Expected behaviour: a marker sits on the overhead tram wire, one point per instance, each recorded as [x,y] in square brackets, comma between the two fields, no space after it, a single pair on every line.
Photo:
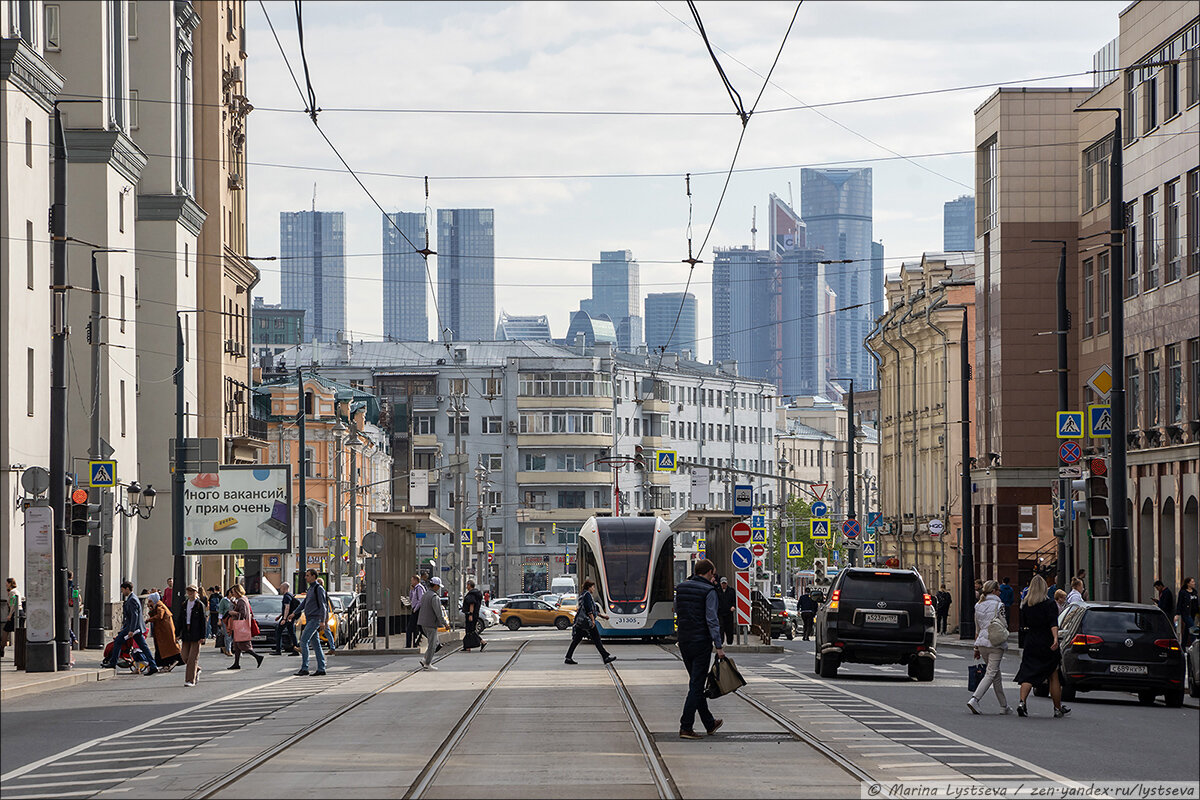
[745,116]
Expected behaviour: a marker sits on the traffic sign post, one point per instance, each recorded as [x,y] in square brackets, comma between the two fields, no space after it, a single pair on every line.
[819,529]
[742,558]
[936,527]
[851,529]
[758,549]
[1069,452]
[868,549]
[743,500]
[758,535]
[875,519]
[818,508]
[465,536]
[1099,421]
[1068,424]
[1101,381]
[740,533]
[666,460]
[795,549]
[741,584]
[102,474]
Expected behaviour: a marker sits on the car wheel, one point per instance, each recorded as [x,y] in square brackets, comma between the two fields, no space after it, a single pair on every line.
[829,667]
[1174,698]
[817,663]
[513,623]
[1146,698]
[479,626]
[790,632]
[562,623]
[924,670]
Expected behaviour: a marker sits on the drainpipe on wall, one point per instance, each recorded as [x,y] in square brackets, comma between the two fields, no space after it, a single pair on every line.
[916,448]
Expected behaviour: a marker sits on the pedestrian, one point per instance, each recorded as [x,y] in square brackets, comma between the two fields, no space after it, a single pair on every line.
[166,650]
[430,617]
[1187,607]
[987,609]
[412,633]
[727,606]
[698,633]
[585,624]
[242,625]
[1165,600]
[192,632]
[1082,576]
[132,628]
[11,606]
[284,623]
[327,629]
[168,594]
[472,600]
[315,607]
[1060,599]
[216,630]
[944,601]
[808,607]
[223,607]
[1040,657]
[1076,594]
[1006,593]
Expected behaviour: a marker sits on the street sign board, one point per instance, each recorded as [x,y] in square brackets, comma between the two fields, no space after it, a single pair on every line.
[1072,471]
[698,486]
[758,549]
[936,527]
[39,574]
[740,533]
[1069,452]
[758,521]
[818,508]
[743,499]
[372,543]
[1101,381]
[700,545]
[869,535]
[795,549]
[1068,424]
[758,534]
[238,509]
[665,460]
[102,474]
[742,558]
[851,528]
[868,549]
[491,547]
[465,536]
[875,519]
[741,584]
[1100,421]
[418,488]
[818,490]
[819,528]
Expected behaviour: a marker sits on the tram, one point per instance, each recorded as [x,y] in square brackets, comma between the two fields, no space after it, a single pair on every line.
[632,560]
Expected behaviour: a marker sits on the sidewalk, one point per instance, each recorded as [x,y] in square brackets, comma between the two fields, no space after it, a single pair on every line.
[14,683]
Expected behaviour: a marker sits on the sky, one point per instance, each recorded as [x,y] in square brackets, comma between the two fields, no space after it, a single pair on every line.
[566,186]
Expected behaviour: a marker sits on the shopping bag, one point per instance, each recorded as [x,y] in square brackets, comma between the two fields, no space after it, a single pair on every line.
[241,630]
[975,674]
[723,678]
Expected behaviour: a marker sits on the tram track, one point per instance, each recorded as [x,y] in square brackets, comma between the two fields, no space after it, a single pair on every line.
[663,782]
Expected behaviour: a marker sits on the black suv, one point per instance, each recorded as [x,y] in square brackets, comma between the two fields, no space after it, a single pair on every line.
[784,617]
[1123,647]
[876,616]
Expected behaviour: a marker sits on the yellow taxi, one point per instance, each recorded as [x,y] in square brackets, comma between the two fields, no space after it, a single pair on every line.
[569,602]
[535,612]
[334,623]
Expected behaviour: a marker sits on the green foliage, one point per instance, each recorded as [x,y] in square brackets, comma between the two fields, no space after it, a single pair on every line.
[800,531]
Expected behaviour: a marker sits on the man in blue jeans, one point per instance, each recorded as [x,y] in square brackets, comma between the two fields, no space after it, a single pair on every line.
[314,608]
[132,628]
[699,632]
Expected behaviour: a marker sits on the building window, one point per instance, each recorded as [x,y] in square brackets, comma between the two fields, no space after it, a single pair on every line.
[29,143]
[1171,81]
[1131,249]
[1130,115]
[116,65]
[1133,392]
[1171,231]
[1104,285]
[535,536]
[1149,104]
[30,382]
[493,387]
[1193,68]
[534,463]
[1193,232]
[53,28]
[567,535]
[1150,237]
[572,499]
[493,462]
[309,462]
[1089,299]
[989,195]
[29,268]
[1096,161]
[1153,389]
[1194,385]
[122,398]
[462,420]
[493,424]
[423,425]
[122,300]
[1174,384]
[459,386]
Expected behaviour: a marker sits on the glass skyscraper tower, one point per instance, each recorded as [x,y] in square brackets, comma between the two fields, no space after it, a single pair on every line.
[312,252]
[466,274]
[404,280]
[617,294]
[662,308]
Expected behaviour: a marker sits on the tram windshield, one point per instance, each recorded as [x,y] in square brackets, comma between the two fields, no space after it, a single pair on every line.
[626,546]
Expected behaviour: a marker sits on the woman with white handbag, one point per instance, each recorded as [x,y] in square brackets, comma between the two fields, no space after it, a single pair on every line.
[990,645]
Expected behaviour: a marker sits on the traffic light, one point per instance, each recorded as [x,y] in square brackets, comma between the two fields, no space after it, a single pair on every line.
[85,515]
[820,572]
[1097,506]
[639,458]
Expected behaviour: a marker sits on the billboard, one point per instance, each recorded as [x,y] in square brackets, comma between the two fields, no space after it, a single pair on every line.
[240,509]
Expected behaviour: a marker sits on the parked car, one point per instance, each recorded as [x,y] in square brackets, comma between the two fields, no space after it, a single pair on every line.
[535,612]
[550,598]
[352,612]
[335,621]
[569,602]
[266,608]
[498,603]
[1193,660]
[876,616]
[785,617]
[487,618]
[1122,647]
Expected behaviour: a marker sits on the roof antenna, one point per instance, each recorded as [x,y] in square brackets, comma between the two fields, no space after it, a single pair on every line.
[314,205]
[754,229]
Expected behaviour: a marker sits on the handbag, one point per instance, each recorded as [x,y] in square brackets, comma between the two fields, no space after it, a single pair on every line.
[723,678]
[997,629]
[241,630]
[975,674]
[254,629]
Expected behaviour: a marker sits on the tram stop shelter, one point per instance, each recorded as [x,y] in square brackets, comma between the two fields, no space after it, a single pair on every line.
[717,528]
[387,579]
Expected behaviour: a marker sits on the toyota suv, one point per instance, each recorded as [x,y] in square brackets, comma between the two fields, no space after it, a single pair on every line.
[876,616]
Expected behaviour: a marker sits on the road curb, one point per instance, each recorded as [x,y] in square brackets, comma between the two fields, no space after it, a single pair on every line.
[754,648]
[71,678]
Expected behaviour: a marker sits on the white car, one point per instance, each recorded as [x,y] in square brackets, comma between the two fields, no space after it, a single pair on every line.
[497,605]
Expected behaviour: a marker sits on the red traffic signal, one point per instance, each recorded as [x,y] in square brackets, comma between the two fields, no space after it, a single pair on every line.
[1097,466]
[79,496]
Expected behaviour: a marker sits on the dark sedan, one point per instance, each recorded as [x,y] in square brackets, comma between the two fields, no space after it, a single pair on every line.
[266,608]
[1122,647]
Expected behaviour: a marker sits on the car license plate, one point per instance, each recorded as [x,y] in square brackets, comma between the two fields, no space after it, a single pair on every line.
[880,619]
[1128,669]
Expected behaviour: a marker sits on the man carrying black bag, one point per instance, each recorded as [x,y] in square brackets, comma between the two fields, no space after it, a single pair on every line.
[699,632]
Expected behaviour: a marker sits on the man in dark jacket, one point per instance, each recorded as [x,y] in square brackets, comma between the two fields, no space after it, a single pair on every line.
[699,632]
[942,607]
[1165,599]
[471,603]
[727,608]
[283,623]
[585,624]
[132,628]
[808,612]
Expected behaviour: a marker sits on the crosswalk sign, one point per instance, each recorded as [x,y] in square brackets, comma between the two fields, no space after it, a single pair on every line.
[465,536]
[758,535]
[868,549]
[820,528]
[1100,421]
[700,543]
[665,460]
[491,547]
[102,474]
[1069,424]
[795,549]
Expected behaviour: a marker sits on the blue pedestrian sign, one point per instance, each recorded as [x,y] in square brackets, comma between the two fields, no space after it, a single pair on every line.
[742,558]
[1069,424]
[665,460]
[819,528]
[795,549]
[743,499]
[102,474]
[758,521]
[875,519]
[868,549]
[818,508]
[758,535]
[851,529]
[1100,421]
[491,548]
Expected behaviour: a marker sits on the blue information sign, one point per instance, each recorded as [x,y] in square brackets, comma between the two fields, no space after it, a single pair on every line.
[818,508]
[742,557]
[743,500]
[875,519]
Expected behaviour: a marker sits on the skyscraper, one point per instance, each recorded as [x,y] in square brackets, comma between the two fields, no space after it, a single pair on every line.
[958,224]
[802,335]
[743,293]
[532,328]
[877,280]
[312,251]
[466,274]
[617,293]
[662,308]
[836,206]
[404,279]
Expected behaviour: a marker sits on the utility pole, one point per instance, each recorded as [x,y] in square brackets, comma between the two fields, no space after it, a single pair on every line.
[353,514]
[303,463]
[460,484]
[481,474]
[337,515]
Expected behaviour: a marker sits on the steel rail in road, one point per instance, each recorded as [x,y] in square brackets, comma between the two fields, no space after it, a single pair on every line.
[663,782]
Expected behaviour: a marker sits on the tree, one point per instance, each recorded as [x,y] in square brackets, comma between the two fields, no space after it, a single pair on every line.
[797,510]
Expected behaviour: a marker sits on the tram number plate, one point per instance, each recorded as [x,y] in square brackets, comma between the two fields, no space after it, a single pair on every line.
[1128,669]
[880,619]
[626,620]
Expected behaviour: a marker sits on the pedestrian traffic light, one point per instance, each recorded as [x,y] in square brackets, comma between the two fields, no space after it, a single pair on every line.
[1080,506]
[1097,506]
[85,515]
[820,571]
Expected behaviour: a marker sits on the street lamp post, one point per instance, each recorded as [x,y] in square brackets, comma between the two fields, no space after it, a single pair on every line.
[783,463]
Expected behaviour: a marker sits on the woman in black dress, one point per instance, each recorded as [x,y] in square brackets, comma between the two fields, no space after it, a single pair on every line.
[1040,658]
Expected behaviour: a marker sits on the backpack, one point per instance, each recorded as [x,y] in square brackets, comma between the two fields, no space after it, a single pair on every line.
[997,629]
